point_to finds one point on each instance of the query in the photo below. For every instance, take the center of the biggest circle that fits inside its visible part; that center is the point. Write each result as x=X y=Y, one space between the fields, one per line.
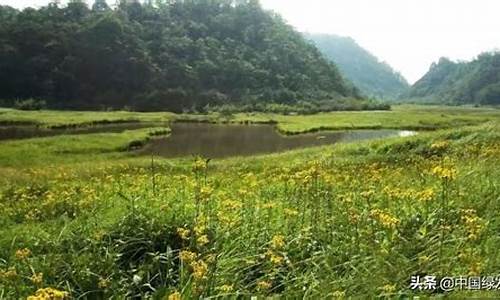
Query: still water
x=217 y=141
x=30 y=131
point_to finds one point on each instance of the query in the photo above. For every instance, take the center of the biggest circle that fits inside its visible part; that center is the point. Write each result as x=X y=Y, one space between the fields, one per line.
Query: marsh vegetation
x=85 y=217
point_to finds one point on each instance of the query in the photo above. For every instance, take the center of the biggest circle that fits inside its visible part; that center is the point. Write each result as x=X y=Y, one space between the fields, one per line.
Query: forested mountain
x=448 y=82
x=170 y=55
x=374 y=78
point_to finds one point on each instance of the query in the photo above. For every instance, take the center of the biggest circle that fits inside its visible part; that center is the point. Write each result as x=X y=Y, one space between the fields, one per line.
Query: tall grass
x=351 y=221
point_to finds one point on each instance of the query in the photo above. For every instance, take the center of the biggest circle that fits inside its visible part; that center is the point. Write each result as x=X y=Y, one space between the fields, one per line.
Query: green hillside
x=448 y=82
x=160 y=55
x=374 y=78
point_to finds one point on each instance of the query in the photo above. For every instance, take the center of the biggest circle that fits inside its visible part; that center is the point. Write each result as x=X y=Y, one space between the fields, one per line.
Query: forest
x=166 y=55
x=447 y=82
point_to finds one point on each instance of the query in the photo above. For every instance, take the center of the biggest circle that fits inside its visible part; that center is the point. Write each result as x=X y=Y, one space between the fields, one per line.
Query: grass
x=73 y=148
x=51 y=118
x=413 y=117
x=410 y=117
x=350 y=220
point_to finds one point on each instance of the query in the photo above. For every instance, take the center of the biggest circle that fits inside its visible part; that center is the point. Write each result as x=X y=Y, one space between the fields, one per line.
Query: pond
x=218 y=140
x=30 y=131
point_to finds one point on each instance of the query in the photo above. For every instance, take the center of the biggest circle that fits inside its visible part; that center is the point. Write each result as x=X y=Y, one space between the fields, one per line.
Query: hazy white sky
x=408 y=34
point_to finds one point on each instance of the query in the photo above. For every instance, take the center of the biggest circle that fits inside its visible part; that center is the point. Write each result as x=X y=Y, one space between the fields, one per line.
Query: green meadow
x=400 y=117
x=87 y=217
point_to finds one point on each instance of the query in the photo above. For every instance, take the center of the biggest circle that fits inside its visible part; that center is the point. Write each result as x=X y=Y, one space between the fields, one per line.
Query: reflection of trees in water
x=30 y=131
x=214 y=140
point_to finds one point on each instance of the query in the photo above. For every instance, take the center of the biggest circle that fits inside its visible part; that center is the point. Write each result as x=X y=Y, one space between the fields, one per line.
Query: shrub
x=29 y=104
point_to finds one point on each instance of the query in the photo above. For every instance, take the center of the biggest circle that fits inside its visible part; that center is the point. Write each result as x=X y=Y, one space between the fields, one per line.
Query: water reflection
x=30 y=131
x=216 y=141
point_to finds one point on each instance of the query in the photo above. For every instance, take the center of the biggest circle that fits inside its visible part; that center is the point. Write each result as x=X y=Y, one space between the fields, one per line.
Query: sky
x=407 y=34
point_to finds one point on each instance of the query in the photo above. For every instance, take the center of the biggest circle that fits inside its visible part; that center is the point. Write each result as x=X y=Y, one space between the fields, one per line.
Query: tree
x=76 y=10
x=170 y=55
x=475 y=82
x=100 y=6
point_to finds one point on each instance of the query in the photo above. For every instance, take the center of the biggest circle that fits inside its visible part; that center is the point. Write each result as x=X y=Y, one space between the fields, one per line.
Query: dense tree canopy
x=163 y=54
x=373 y=77
x=475 y=82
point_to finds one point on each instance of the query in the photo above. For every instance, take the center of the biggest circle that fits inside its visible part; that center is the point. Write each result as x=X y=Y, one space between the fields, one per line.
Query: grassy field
x=82 y=218
x=74 y=148
x=401 y=117
x=51 y=118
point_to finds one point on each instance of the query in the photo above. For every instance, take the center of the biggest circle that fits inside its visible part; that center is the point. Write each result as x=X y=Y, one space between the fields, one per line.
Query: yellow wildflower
x=367 y=194
x=23 y=254
x=226 y=288
x=187 y=256
x=263 y=285
x=199 y=229
x=290 y=212
x=206 y=192
x=243 y=192
x=37 y=278
x=202 y=240
x=473 y=224
x=384 y=218
x=353 y=217
x=269 y=205
x=444 y=173
x=274 y=258
x=231 y=204
x=9 y=274
x=49 y=294
x=200 y=164
x=183 y=233
x=201 y=225
x=441 y=145
x=338 y=295
x=103 y=283
x=174 y=296
x=210 y=258
x=426 y=195
x=278 y=242
x=475 y=268
x=388 y=288
x=423 y=259
x=200 y=269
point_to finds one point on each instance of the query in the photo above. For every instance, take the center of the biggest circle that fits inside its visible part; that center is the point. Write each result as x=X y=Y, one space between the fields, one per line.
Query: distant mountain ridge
x=449 y=82
x=373 y=77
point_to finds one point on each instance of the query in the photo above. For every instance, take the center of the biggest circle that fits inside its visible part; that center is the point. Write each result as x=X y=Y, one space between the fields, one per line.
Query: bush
x=29 y=104
x=300 y=107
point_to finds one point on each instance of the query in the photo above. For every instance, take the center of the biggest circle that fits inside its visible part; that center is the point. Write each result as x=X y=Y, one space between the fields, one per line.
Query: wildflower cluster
x=225 y=288
x=293 y=229
x=470 y=258
x=200 y=164
x=444 y=173
x=474 y=225
x=174 y=296
x=384 y=218
x=440 y=146
x=308 y=175
x=37 y=278
x=49 y=294
x=424 y=194
x=23 y=254
x=183 y=233
x=9 y=274
x=264 y=285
